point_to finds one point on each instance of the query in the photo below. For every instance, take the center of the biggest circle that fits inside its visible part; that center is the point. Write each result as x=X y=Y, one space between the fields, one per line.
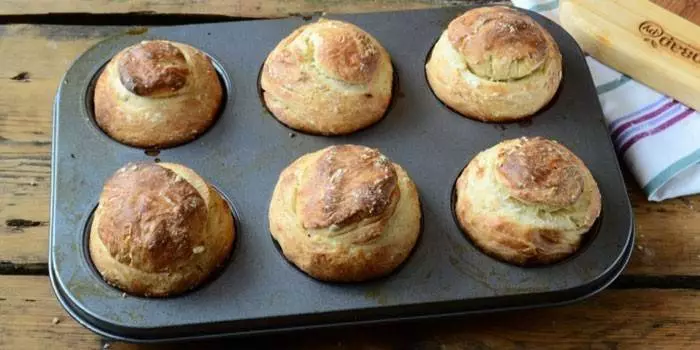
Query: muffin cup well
x=587 y=237
x=211 y=278
x=224 y=80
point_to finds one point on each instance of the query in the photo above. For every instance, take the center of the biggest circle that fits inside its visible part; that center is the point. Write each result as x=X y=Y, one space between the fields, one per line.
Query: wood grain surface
x=256 y=8
x=34 y=58
x=615 y=319
x=236 y=8
x=654 y=305
x=689 y=9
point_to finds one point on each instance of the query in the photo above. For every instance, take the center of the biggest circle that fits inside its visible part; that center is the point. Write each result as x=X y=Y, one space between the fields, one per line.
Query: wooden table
x=655 y=304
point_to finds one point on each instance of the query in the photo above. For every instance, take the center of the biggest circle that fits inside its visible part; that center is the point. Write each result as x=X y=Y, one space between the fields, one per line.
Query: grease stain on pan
x=376 y=295
x=82 y=289
x=59 y=255
x=134 y=316
x=275 y=298
x=460 y=264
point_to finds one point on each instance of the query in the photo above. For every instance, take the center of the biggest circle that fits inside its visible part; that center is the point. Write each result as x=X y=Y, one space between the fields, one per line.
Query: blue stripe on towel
x=671 y=171
x=545 y=6
x=612 y=85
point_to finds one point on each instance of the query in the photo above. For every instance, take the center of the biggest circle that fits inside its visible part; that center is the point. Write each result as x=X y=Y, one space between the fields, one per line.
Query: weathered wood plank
x=27 y=312
x=616 y=319
x=668 y=232
x=237 y=8
x=34 y=58
x=259 y=8
x=668 y=235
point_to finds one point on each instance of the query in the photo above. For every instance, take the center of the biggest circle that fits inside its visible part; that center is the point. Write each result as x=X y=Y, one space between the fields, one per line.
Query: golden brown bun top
x=346 y=52
x=347 y=184
x=341 y=50
x=499 y=43
x=150 y=216
x=541 y=171
x=153 y=69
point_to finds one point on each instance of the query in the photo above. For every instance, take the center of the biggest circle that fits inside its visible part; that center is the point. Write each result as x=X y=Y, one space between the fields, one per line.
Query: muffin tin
x=243 y=153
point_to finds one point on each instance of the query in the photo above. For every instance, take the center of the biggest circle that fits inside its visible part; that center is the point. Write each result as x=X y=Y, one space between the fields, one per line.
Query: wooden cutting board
x=643 y=40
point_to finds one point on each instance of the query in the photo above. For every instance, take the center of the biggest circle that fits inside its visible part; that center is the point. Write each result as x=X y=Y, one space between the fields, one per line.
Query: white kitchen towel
x=657 y=137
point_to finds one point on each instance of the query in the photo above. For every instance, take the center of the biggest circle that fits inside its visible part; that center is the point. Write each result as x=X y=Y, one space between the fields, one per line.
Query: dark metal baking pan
x=244 y=152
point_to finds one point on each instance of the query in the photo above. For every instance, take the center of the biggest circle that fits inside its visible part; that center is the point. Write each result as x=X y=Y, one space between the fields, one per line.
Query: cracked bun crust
x=345 y=213
x=157 y=94
x=159 y=230
x=329 y=78
x=495 y=64
x=527 y=201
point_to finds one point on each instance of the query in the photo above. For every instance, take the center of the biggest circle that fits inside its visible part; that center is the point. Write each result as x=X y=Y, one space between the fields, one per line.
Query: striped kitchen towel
x=657 y=137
